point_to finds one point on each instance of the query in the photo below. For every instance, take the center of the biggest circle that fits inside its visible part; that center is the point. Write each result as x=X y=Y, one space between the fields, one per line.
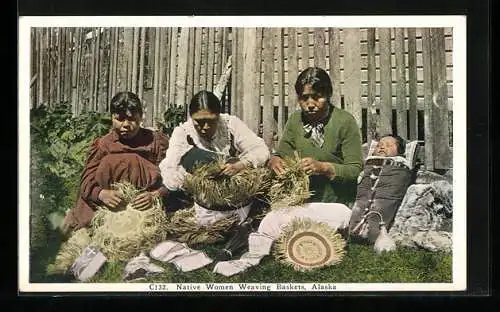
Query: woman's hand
x=312 y=166
x=110 y=198
x=232 y=169
x=143 y=201
x=276 y=164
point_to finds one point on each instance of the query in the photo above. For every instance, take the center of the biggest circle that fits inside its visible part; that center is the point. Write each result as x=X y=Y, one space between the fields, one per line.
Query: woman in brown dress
x=128 y=153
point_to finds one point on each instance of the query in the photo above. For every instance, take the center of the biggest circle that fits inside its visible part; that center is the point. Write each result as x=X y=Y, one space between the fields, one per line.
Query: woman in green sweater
x=327 y=138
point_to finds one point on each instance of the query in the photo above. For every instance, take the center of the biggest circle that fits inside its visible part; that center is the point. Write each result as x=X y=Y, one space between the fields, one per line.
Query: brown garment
x=113 y=160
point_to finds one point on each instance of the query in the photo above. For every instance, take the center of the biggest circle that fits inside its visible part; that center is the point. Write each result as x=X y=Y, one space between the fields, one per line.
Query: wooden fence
x=391 y=79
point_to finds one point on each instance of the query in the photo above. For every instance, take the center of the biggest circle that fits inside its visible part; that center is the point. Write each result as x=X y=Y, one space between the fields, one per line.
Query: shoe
x=237 y=243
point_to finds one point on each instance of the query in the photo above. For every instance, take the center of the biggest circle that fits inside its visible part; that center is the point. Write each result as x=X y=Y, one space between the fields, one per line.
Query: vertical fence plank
x=412 y=83
x=234 y=70
x=149 y=71
x=242 y=74
x=50 y=53
x=225 y=59
x=210 y=58
x=60 y=63
x=334 y=60
x=278 y=43
x=76 y=67
x=112 y=64
x=259 y=69
x=385 y=81
x=34 y=68
x=197 y=59
x=251 y=96
x=92 y=69
x=135 y=59
x=268 y=107
x=142 y=54
x=104 y=74
x=97 y=68
x=156 y=72
x=371 y=113
x=219 y=61
x=68 y=59
x=115 y=47
x=168 y=52
x=204 y=59
x=399 y=49
x=304 y=39
x=293 y=69
x=319 y=47
x=182 y=66
x=159 y=109
x=173 y=67
x=41 y=49
x=352 y=73
x=440 y=100
x=129 y=56
x=428 y=118
x=190 y=67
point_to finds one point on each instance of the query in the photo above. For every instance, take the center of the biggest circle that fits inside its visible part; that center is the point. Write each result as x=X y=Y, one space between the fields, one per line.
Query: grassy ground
x=361 y=264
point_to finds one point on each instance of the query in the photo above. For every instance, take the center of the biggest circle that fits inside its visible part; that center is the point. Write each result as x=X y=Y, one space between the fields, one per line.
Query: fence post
x=372 y=117
x=412 y=81
x=385 y=81
x=428 y=118
x=251 y=91
x=352 y=73
x=399 y=51
x=268 y=105
x=334 y=60
x=293 y=69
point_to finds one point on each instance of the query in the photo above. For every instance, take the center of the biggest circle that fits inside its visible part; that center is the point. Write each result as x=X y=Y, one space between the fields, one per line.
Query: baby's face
x=387 y=147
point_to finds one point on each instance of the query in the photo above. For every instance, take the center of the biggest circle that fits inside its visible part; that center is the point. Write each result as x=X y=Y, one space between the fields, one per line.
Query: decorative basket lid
x=306 y=245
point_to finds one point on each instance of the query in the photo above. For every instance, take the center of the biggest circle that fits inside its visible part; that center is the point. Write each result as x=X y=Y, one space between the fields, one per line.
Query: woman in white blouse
x=208 y=129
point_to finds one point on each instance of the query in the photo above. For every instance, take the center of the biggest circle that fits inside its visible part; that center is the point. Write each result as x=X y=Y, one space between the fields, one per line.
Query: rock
x=434 y=240
x=426 y=177
x=424 y=219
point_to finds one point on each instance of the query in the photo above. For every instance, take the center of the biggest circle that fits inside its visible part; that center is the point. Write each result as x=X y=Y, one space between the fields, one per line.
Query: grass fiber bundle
x=306 y=245
x=124 y=233
x=215 y=191
x=69 y=251
x=183 y=227
x=290 y=188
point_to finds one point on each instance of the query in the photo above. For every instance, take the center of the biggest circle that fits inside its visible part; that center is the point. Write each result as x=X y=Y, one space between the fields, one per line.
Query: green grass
x=361 y=265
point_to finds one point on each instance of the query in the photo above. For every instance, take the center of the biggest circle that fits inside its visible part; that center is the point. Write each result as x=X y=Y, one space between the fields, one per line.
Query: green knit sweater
x=342 y=148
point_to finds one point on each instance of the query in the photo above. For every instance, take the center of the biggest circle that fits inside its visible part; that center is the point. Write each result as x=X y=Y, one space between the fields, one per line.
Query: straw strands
x=183 y=227
x=290 y=188
x=70 y=250
x=123 y=234
x=215 y=191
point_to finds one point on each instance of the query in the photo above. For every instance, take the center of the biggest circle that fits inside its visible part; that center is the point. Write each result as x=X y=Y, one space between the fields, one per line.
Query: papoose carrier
x=381 y=188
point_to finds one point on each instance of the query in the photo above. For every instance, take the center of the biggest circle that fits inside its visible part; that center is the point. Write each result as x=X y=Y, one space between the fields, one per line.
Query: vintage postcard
x=242 y=154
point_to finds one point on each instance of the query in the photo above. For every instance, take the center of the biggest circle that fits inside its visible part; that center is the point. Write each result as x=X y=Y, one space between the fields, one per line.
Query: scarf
x=316 y=131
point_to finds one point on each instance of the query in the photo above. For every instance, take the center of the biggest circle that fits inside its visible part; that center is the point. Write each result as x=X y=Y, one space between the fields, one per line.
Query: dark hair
x=204 y=100
x=126 y=101
x=399 y=141
x=318 y=79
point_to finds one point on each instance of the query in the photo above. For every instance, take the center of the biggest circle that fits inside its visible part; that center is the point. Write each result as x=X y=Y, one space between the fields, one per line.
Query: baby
x=381 y=188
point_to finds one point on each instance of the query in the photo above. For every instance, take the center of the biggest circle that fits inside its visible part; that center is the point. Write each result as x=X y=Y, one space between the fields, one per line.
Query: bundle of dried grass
x=70 y=250
x=123 y=234
x=306 y=244
x=215 y=191
x=290 y=188
x=182 y=227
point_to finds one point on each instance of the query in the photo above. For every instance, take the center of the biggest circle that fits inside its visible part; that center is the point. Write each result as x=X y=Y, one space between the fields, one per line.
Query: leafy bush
x=59 y=144
x=172 y=117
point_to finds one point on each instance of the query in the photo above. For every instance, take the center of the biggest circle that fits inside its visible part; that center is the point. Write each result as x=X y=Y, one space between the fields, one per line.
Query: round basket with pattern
x=306 y=244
